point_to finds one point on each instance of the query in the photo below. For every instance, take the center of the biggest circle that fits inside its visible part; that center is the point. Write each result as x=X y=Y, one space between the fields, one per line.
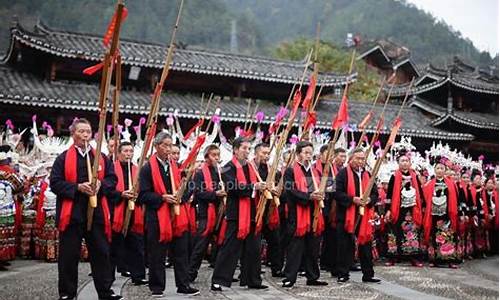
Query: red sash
x=365 y=229
x=222 y=232
x=318 y=166
x=244 y=213
x=70 y=175
x=40 y=214
x=304 y=211
x=452 y=206
x=274 y=217
x=163 y=212
x=138 y=225
x=211 y=216
x=485 y=206
x=463 y=187
x=396 y=198
x=496 y=208
x=273 y=220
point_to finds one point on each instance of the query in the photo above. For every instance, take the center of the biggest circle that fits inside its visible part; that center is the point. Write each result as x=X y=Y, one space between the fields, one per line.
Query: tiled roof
x=27 y=89
x=474 y=119
x=90 y=47
x=393 y=54
x=458 y=74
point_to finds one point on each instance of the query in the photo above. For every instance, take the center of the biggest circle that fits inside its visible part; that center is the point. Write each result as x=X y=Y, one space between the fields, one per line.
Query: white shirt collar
x=83 y=152
x=304 y=166
x=164 y=164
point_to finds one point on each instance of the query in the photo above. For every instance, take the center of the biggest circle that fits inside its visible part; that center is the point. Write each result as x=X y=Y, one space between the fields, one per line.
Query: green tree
x=332 y=58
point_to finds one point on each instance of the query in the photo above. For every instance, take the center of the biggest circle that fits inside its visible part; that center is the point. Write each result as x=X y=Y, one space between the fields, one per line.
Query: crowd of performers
x=440 y=210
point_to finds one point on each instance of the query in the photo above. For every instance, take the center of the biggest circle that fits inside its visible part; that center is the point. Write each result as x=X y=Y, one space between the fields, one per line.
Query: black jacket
x=235 y=191
x=343 y=200
x=67 y=190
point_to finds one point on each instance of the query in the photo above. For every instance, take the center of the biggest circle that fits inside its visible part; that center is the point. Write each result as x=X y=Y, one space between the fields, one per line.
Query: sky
x=475 y=19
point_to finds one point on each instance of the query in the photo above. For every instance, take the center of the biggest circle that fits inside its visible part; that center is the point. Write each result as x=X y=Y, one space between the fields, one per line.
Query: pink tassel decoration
x=259 y=116
x=216 y=119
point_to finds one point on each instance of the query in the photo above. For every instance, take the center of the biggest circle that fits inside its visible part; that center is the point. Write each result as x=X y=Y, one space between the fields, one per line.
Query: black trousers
x=345 y=254
x=328 y=259
x=303 y=251
x=157 y=253
x=200 y=246
x=180 y=257
x=229 y=253
x=117 y=254
x=275 y=254
x=70 y=242
x=127 y=254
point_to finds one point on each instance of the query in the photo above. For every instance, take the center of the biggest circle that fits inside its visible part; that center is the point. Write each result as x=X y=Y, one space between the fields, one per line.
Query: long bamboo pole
x=103 y=96
x=155 y=104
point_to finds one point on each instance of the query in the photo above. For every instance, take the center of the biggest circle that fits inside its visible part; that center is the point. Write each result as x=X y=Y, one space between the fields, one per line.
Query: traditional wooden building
x=42 y=74
x=388 y=57
x=456 y=97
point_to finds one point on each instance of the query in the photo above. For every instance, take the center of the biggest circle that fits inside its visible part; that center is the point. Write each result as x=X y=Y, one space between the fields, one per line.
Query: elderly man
x=69 y=181
x=159 y=180
x=351 y=183
x=241 y=183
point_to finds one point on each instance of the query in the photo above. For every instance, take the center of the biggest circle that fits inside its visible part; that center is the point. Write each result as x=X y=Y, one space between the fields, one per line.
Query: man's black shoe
x=125 y=274
x=140 y=282
x=111 y=297
x=342 y=279
x=316 y=283
x=216 y=287
x=371 y=279
x=258 y=287
x=287 y=284
x=157 y=294
x=188 y=291
x=66 y=298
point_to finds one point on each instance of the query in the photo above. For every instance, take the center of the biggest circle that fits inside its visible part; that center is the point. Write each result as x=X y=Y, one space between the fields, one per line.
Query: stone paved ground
x=476 y=279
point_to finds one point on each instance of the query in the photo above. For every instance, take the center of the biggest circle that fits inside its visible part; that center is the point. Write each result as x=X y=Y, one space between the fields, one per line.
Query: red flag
x=366 y=120
x=194 y=151
x=296 y=102
x=342 y=116
x=190 y=131
x=395 y=128
x=310 y=92
x=111 y=27
x=311 y=120
x=93 y=69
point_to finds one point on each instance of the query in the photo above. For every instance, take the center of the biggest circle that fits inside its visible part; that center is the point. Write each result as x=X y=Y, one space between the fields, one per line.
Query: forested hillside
x=261 y=26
